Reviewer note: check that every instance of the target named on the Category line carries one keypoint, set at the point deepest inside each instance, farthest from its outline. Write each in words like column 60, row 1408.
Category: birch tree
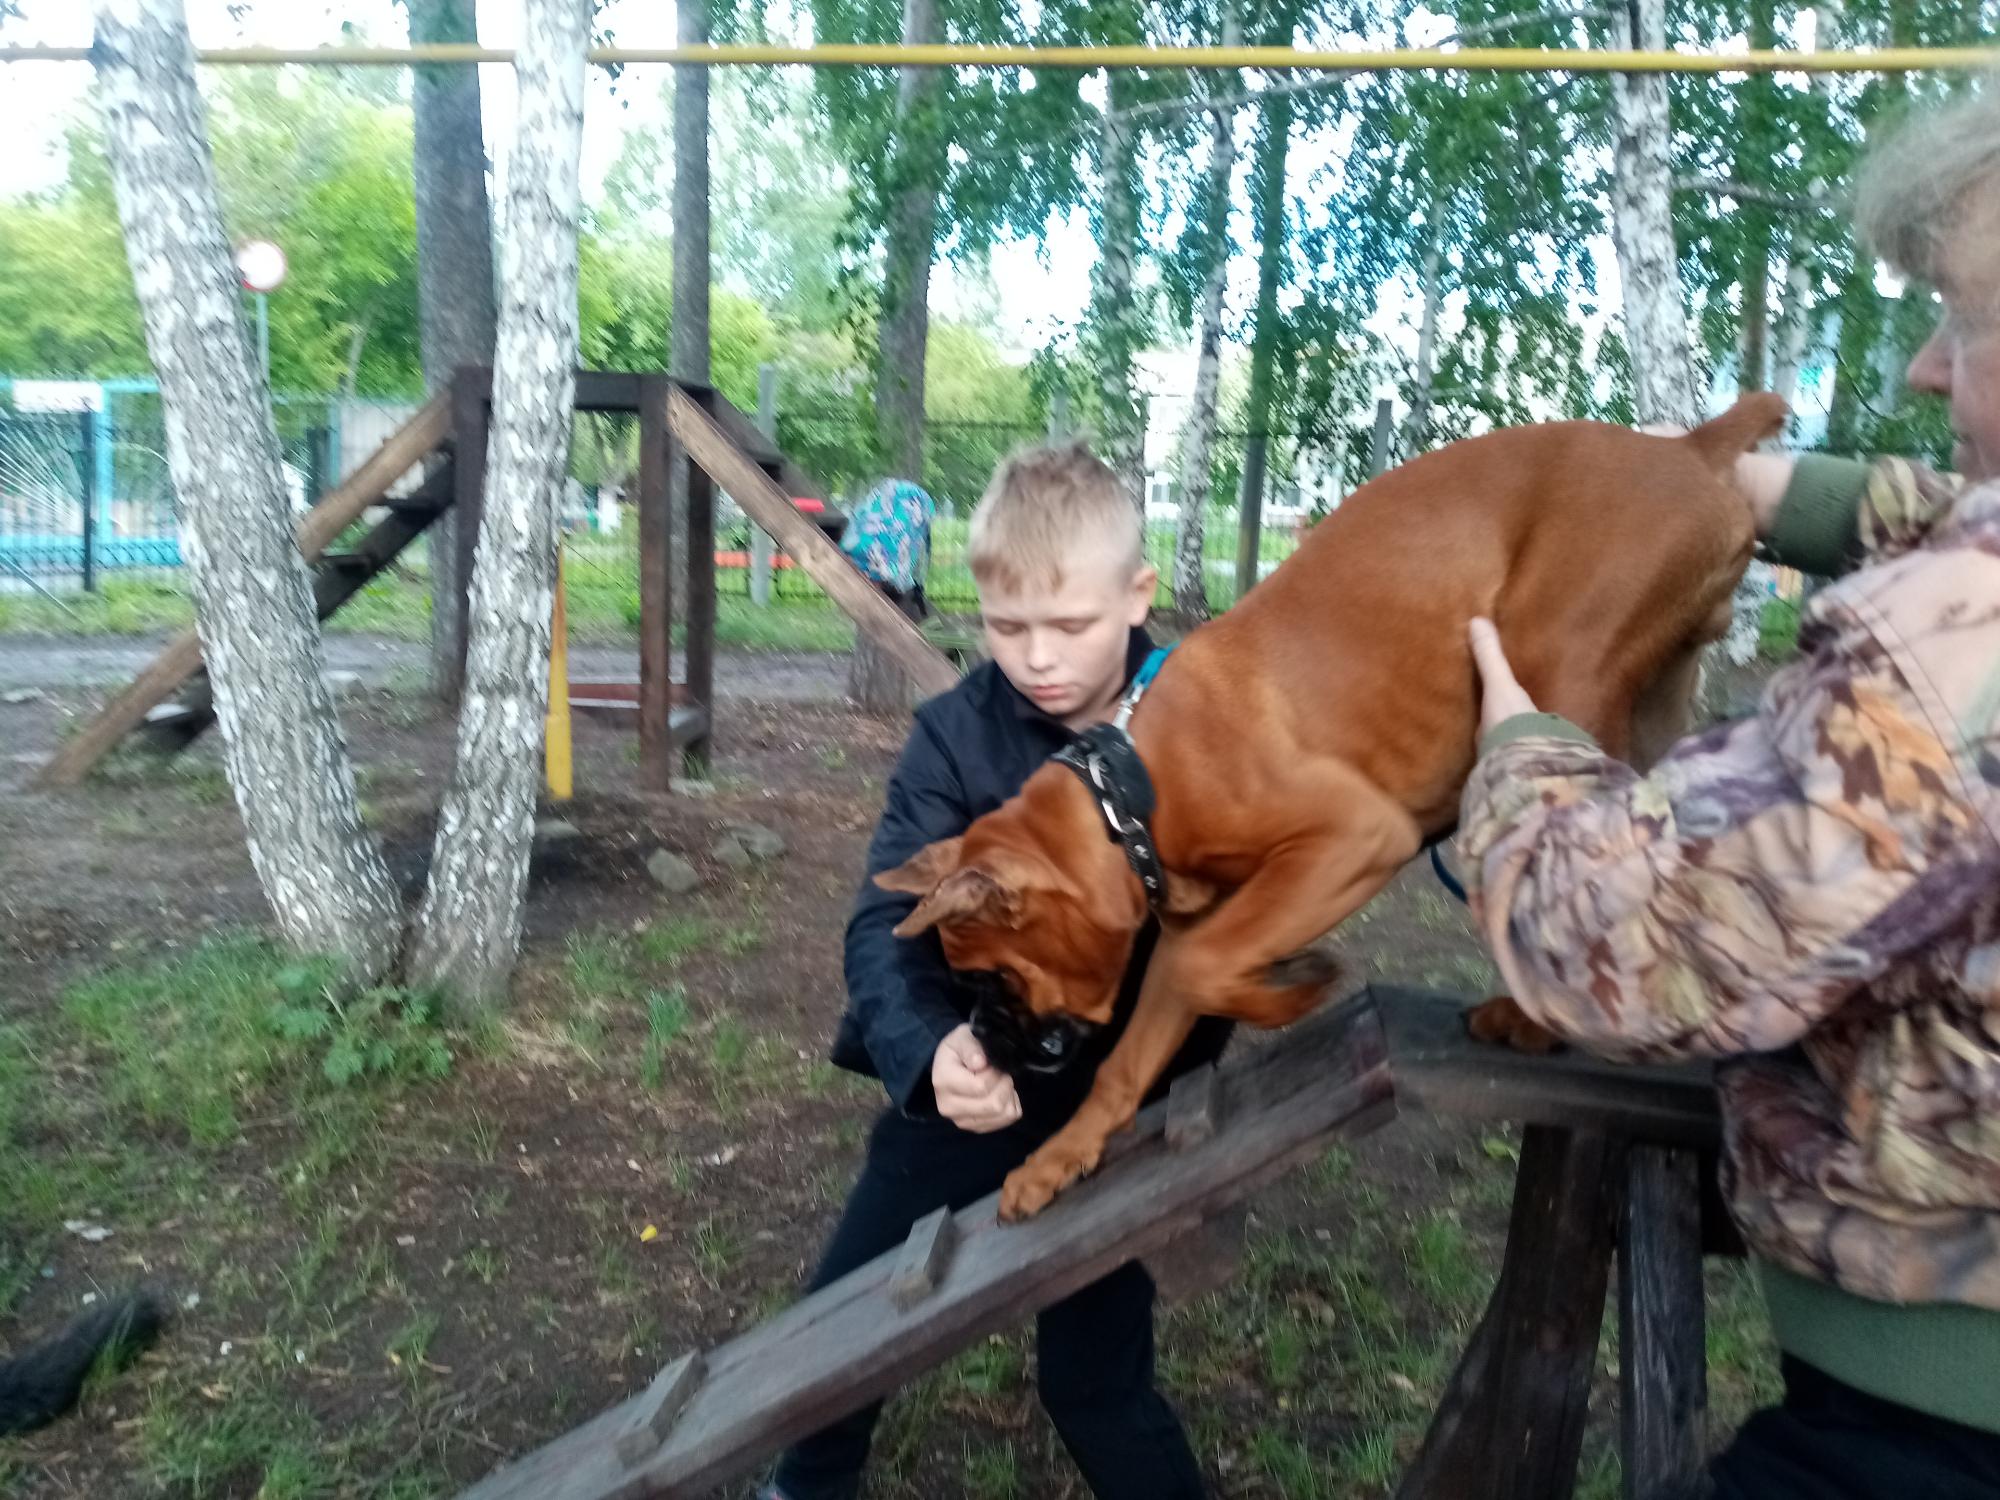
column 282, row 744
column 1117, row 330
column 468, row 930
column 915, row 180
column 1190, row 577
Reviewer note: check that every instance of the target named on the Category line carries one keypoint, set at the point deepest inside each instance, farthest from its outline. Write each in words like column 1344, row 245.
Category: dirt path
column 62, row 662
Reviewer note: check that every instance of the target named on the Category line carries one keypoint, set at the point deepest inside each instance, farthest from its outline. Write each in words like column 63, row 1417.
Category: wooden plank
column 182, row 656
column 1662, row 1361
column 699, row 650
column 1443, row 1071
column 172, row 727
column 742, row 429
column 767, row 505
column 1192, row 1108
column 656, row 591
column 1511, row 1422
column 660, row 1406
column 609, row 390
column 925, row 1256
column 848, row 1345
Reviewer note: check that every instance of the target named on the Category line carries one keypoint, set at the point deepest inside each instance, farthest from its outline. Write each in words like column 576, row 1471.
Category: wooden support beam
column 925, row 1256
column 1663, row 1350
column 656, row 591
column 1510, row 1424
column 849, row 1344
column 699, row 649
column 768, row 505
column 314, row 531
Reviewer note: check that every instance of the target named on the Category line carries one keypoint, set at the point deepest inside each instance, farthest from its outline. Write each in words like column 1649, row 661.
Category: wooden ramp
column 336, row 578
column 711, row 1418
column 171, row 699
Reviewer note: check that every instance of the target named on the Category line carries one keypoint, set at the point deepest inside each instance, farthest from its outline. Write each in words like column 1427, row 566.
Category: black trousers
column 1828, row 1441
column 1094, row 1350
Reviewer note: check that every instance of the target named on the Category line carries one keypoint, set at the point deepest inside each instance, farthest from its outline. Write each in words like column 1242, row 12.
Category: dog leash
column 1107, row 762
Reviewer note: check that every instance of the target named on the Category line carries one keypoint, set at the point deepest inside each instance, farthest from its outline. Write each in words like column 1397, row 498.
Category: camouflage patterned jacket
column 1814, row 889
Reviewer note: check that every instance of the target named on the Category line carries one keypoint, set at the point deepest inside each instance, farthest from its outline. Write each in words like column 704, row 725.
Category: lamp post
column 260, row 265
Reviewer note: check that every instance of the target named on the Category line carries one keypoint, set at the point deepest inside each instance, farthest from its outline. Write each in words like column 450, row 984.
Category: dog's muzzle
column 1018, row 1042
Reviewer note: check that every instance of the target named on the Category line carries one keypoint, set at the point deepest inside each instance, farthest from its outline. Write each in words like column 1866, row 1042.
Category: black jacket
column 970, row 750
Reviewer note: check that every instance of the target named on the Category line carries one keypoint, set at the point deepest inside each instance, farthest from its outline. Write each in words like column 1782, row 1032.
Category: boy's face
column 1064, row 648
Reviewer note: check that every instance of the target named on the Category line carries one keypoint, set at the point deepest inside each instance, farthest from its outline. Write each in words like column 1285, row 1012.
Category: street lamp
column 260, row 265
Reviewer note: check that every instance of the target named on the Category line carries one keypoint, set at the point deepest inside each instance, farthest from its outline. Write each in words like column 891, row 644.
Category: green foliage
column 187, row 1042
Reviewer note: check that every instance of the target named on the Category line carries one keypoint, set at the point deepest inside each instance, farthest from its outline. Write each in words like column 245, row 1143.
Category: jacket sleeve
column 1737, row 895
column 899, row 989
column 1838, row 513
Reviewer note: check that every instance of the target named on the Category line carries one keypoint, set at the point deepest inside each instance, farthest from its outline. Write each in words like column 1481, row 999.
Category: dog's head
column 1034, row 895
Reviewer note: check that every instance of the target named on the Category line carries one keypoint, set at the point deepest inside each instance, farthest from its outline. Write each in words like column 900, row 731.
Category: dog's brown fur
column 1304, row 744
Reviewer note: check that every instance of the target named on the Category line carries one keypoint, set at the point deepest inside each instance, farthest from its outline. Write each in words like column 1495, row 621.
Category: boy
column 1063, row 592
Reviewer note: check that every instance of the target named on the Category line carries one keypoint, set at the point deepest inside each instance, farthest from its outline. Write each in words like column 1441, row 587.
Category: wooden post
column 1662, row 1360
column 555, row 738
column 761, row 548
column 1511, row 1422
column 1059, row 414
column 656, row 590
column 470, row 392
column 700, row 646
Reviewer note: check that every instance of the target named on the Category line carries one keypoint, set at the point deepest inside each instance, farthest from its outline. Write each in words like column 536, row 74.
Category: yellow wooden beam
column 1285, row 59
column 556, row 750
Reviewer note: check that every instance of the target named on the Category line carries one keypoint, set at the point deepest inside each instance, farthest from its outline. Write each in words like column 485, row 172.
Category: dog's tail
column 1755, row 417
column 40, row 1384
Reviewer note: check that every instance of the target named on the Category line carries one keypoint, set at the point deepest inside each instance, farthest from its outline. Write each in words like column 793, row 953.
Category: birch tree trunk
column 1794, row 330
column 455, row 307
column 1264, row 341
column 469, row 927
column 1656, row 328
column 1190, row 580
column 1417, row 426
column 282, row 744
column 1114, row 304
column 912, row 246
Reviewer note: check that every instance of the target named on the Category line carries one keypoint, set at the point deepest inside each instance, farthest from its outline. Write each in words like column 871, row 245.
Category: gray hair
column 1916, row 187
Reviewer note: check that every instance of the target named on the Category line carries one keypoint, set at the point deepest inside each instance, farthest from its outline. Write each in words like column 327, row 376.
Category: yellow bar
column 1402, row 60
column 556, row 758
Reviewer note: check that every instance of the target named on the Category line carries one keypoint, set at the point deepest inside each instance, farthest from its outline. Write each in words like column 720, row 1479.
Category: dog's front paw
column 1033, row 1185
column 1502, row 1022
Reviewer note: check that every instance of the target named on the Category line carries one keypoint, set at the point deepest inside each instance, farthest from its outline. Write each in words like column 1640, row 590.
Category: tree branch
column 1750, row 192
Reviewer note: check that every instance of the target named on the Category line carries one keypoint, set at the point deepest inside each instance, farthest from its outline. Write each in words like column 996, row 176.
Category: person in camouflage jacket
column 1813, row 892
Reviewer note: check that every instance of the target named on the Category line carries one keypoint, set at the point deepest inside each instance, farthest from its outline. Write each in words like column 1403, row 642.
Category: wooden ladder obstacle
column 710, row 1418
column 171, row 698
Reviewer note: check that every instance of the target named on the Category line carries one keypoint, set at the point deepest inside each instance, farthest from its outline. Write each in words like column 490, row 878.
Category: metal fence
column 84, row 488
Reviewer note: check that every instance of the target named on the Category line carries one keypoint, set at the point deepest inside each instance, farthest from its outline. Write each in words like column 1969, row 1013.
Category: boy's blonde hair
column 1044, row 506
column 1918, row 187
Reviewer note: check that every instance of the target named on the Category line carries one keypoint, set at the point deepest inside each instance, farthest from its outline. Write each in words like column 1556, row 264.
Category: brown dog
column 1303, row 745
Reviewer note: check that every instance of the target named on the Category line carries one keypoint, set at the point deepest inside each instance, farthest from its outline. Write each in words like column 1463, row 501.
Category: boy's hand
column 972, row 1093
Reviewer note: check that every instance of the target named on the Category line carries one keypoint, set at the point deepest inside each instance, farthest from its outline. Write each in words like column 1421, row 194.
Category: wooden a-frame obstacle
column 1609, row 1163
column 171, row 702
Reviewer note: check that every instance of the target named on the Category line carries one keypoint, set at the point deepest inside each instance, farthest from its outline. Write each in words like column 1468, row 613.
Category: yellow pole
column 555, row 740
column 1394, row 60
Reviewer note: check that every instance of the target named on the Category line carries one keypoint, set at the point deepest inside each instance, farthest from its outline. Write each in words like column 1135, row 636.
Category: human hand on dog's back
column 971, row 1092
column 1762, row 478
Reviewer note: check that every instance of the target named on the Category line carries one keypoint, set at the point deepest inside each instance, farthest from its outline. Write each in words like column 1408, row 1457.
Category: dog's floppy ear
column 965, row 893
column 924, row 871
